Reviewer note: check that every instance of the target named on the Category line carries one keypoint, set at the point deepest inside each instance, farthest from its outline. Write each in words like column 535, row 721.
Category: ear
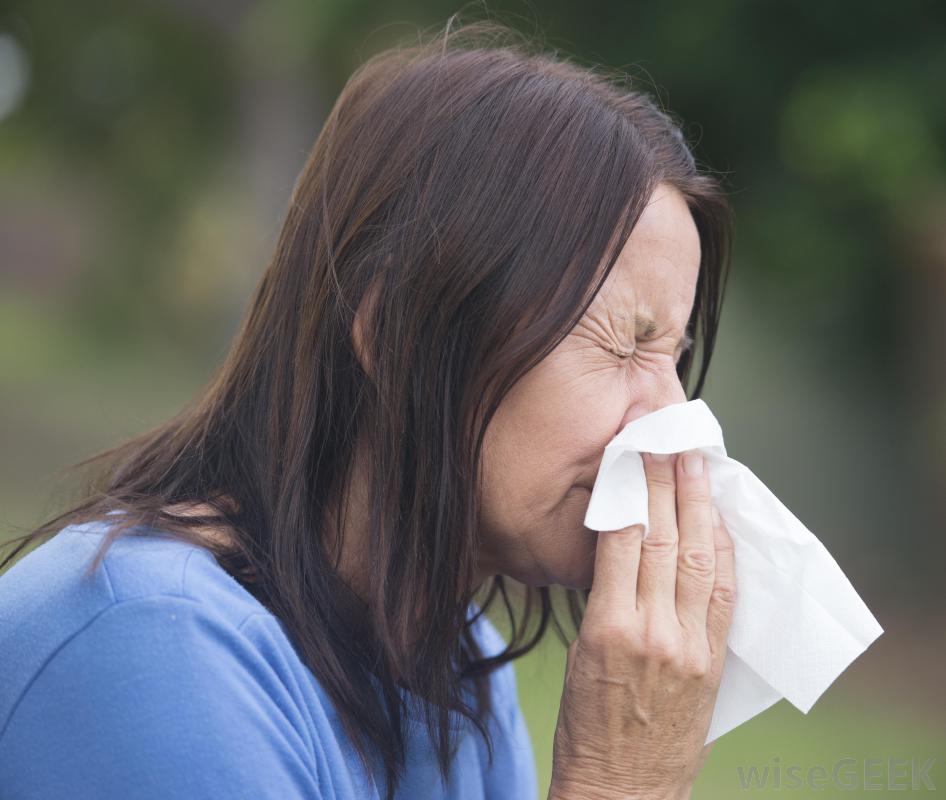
column 361, row 326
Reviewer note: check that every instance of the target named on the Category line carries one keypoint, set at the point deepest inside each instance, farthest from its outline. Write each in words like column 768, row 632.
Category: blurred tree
column 134, row 100
column 826, row 120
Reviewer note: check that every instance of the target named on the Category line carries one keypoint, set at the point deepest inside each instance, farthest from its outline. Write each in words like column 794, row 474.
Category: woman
column 492, row 261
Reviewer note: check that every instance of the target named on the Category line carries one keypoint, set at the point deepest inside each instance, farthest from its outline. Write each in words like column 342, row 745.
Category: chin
column 572, row 567
column 579, row 574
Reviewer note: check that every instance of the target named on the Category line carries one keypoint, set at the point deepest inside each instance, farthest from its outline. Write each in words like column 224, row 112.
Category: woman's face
column 545, row 443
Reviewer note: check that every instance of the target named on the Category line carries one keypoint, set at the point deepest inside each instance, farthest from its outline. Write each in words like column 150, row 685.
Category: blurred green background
column 148, row 150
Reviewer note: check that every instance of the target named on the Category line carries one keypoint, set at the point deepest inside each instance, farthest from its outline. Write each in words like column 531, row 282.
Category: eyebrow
column 645, row 328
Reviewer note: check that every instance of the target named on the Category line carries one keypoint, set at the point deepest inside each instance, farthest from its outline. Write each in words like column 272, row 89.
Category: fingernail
column 693, row 463
column 660, row 456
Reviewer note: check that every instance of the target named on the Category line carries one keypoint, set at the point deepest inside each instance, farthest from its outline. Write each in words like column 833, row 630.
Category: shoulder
column 163, row 661
column 47, row 598
column 147, row 581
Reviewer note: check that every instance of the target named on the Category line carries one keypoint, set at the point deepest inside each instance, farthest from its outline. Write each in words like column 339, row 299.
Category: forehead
column 657, row 269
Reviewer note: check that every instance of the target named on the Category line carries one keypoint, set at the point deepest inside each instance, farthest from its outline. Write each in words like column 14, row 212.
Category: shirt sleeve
column 156, row 697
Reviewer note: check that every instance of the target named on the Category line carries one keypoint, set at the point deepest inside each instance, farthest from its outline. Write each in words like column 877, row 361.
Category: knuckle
column 724, row 594
column 609, row 636
column 694, row 492
column 661, row 646
column 662, row 480
column 660, row 542
column 698, row 561
column 697, row 666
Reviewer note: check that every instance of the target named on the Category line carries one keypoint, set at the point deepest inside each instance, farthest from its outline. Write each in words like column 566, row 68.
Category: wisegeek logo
column 845, row 774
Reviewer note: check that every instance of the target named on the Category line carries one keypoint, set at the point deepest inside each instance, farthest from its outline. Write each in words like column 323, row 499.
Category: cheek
column 542, row 546
column 593, row 390
column 542, row 449
column 548, row 441
column 599, row 406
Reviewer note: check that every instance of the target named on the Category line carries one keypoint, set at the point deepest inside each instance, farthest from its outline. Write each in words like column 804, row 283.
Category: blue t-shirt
column 162, row 677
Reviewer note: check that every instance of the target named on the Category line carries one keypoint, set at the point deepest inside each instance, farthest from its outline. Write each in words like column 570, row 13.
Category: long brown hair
column 481, row 188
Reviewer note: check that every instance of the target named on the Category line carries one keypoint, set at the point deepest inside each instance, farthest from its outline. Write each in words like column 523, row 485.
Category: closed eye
column 624, row 354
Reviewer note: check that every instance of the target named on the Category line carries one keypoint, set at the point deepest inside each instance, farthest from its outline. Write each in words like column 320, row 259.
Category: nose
column 661, row 390
column 675, row 393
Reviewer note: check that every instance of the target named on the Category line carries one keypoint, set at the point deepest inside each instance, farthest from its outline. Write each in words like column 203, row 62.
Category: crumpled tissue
column 798, row 622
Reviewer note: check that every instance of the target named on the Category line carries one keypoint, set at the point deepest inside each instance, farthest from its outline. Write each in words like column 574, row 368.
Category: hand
column 642, row 675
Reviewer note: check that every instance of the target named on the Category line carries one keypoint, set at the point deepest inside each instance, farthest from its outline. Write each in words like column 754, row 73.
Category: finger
column 723, row 597
column 696, row 560
column 656, row 582
column 617, row 559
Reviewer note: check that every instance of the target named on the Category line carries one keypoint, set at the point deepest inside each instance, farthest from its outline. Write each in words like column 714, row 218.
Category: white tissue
column 798, row 623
